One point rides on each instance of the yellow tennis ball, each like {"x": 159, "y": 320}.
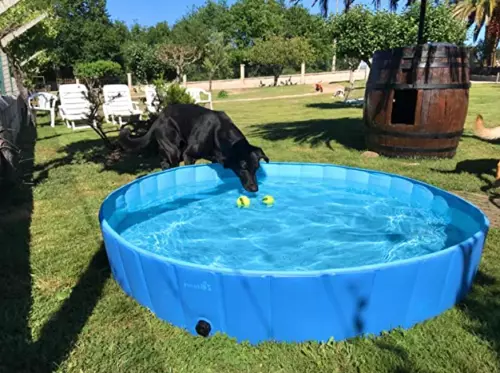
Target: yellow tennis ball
{"x": 243, "y": 201}
{"x": 268, "y": 200}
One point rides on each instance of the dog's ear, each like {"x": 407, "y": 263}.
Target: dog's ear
{"x": 259, "y": 154}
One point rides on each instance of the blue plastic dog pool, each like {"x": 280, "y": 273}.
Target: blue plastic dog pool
{"x": 342, "y": 252}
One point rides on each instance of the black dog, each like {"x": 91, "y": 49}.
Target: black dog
{"x": 191, "y": 132}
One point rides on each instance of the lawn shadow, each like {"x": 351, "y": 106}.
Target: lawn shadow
{"x": 94, "y": 151}
{"x": 61, "y": 331}
{"x": 495, "y": 141}
{"x": 348, "y": 132}
{"x": 334, "y": 105}
{"x": 480, "y": 168}
{"x": 18, "y": 352}
{"x": 16, "y": 209}
{"x": 482, "y": 306}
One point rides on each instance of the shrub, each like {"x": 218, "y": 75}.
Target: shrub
{"x": 175, "y": 94}
{"x": 223, "y": 94}
{"x": 171, "y": 94}
{"x": 96, "y": 72}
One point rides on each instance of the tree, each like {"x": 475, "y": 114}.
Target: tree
{"x": 95, "y": 73}
{"x": 153, "y": 35}
{"x": 178, "y": 56}
{"x": 440, "y": 25}
{"x": 142, "y": 59}
{"x": 10, "y": 21}
{"x": 482, "y": 13}
{"x": 324, "y": 4}
{"x": 278, "y": 53}
{"x": 86, "y": 34}
{"x": 360, "y": 32}
{"x": 216, "y": 60}
{"x": 257, "y": 19}
{"x": 300, "y": 22}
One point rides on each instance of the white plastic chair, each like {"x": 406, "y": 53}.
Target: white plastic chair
{"x": 196, "y": 94}
{"x": 43, "y": 101}
{"x": 75, "y": 106}
{"x": 152, "y": 99}
{"x": 118, "y": 104}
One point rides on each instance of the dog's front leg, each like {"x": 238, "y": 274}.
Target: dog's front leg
{"x": 188, "y": 160}
{"x": 164, "y": 164}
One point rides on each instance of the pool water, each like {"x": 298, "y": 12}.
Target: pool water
{"x": 316, "y": 225}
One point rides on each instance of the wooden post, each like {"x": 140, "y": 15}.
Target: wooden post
{"x": 129, "y": 80}
{"x": 184, "y": 80}
{"x": 334, "y": 57}
{"x": 303, "y": 73}
{"x": 498, "y": 77}
{"x": 77, "y": 81}
{"x": 242, "y": 72}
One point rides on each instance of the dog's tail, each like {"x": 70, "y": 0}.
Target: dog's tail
{"x": 130, "y": 143}
{"x": 485, "y": 133}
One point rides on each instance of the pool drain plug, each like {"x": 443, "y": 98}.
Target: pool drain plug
{"x": 203, "y": 328}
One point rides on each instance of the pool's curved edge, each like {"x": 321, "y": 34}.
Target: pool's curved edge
{"x": 295, "y": 309}
{"x": 485, "y": 223}
{"x": 257, "y": 306}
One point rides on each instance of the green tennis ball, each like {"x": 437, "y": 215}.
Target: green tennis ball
{"x": 268, "y": 200}
{"x": 243, "y": 202}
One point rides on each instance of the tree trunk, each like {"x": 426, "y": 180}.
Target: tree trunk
{"x": 179, "y": 74}
{"x": 277, "y": 72}
{"x": 210, "y": 77}
{"x": 491, "y": 38}
{"x": 351, "y": 85}
{"x": 18, "y": 76}
{"x": 28, "y": 116}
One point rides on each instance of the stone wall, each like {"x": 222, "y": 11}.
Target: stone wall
{"x": 324, "y": 78}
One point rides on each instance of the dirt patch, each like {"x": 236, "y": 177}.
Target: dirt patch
{"x": 488, "y": 204}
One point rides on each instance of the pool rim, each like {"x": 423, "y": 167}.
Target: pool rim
{"x": 484, "y": 227}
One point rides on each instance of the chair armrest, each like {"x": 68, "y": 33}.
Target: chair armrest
{"x": 135, "y": 106}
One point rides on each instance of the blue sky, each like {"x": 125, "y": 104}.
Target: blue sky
{"x": 150, "y": 12}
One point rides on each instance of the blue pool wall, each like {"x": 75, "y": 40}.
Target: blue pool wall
{"x": 258, "y": 306}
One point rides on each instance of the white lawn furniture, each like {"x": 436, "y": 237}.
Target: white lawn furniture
{"x": 118, "y": 104}
{"x": 43, "y": 101}
{"x": 75, "y": 106}
{"x": 196, "y": 94}
{"x": 152, "y": 99}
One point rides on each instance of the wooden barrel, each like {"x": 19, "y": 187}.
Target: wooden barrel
{"x": 416, "y": 100}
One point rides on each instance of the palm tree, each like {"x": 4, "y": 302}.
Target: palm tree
{"x": 482, "y": 13}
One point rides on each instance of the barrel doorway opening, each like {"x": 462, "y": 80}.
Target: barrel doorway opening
{"x": 404, "y": 105}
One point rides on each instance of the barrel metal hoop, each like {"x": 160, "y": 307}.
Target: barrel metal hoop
{"x": 416, "y": 150}
{"x": 451, "y": 54}
{"x": 423, "y": 86}
{"x": 448, "y": 135}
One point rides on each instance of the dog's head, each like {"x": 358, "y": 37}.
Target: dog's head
{"x": 245, "y": 161}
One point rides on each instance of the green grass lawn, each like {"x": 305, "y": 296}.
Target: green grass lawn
{"x": 60, "y": 309}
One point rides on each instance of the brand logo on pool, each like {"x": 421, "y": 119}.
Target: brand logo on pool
{"x": 204, "y": 286}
